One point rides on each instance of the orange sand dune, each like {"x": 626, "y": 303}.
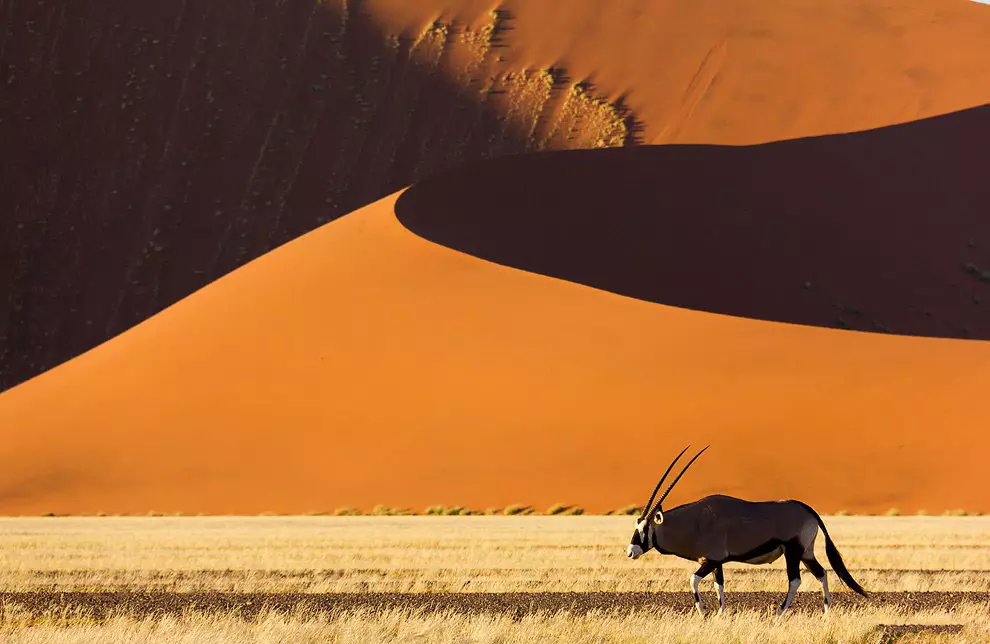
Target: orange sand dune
{"x": 748, "y": 71}
{"x": 361, "y": 364}
{"x": 152, "y": 147}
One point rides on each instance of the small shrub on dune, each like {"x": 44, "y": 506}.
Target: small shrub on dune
{"x": 922, "y": 513}
{"x": 450, "y": 511}
{"x": 959, "y": 512}
{"x": 559, "y": 509}
{"x": 841, "y": 513}
{"x": 892, "y": 512}
{"x": 629, "y": 510}
{"x": 386, "y": 511}
{"x": 517, "y": 510}
{"x": 346, "y": 512}
{"x": 490, "y": 512}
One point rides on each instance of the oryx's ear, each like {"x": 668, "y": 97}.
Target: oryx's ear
{"x": 658, "y": 517}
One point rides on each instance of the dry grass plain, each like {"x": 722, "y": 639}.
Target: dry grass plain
{"x": 462, "y": 579}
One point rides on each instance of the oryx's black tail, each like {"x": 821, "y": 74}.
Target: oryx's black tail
{"x": 834, "y": 558}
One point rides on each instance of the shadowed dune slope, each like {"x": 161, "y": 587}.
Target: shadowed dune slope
{"x": 362, "y": 364}
{"x": 151, "y": 147}
{"x": 883, "y": 230}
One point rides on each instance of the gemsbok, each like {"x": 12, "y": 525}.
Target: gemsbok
{"x": 720, "y": 529}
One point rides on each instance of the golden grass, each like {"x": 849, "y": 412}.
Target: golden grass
{"x": 447, "y": 553}
{"x": 660, "y": 626}
{"x": 459, "y": 554}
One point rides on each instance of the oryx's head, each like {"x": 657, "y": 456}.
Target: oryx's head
{"x": 643, "y": 538}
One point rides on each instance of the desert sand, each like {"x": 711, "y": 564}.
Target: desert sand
{"x": 362, "y": 364}
{"x": 376, "y": 360}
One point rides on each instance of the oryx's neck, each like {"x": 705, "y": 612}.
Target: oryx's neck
{"x": 676, "y": 535}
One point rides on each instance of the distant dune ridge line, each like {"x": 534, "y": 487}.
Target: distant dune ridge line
{"x": 884, "y": 230}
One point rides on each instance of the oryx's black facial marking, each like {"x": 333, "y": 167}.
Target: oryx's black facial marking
{"x": 641, "y": 541}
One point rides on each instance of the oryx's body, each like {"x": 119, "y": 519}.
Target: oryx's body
{"x": 720, "y": 529}
{"x": 723, "y": 528}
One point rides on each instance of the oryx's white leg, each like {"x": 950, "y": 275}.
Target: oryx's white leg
{"x": 827, "y": 595}
{"x": 695, "y": 580}
{"x": 816, "y": 569}
{"x": 791, "y": 591}
{"x": 720, "y": 587}
{"x": 706, "y": 569}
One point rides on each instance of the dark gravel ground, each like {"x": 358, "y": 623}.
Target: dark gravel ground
{"x": 99, "y": 604}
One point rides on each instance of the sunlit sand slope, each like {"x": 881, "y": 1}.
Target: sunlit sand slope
{"x": 750, "y": 71}
{"x": 362, "y": 364}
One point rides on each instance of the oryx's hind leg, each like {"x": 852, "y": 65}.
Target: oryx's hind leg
{"x": 706, "y": 569}
{"x": 720, "y": 587}
{"x": 816, "y": 569}
{"x": 792, "y": 555}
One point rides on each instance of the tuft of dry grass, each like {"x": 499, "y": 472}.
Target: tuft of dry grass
{"x": 517, "y": 510}
{"x": 559, "y": 509}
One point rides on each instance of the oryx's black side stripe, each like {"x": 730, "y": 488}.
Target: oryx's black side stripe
{"x": 758, "y": 551}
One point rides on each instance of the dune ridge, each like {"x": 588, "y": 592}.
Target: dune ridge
{"x": 883, "y": 230}
{"x": 363, "y": 365}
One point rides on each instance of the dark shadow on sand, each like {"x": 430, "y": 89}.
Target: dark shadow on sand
{"x": 885, "y": 230}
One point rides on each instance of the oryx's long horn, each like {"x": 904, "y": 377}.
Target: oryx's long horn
{"x": 646, "y": 508}
{"x": 681, "y": 474}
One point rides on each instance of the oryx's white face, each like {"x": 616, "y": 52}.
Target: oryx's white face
{"x": 637, "y": 546}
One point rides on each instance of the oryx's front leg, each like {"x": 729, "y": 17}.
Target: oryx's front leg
{"x": 706, "y": 569}
{"x": 720, "y": 587}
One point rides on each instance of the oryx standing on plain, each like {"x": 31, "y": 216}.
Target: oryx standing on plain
{"x": 719, "y": 529}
